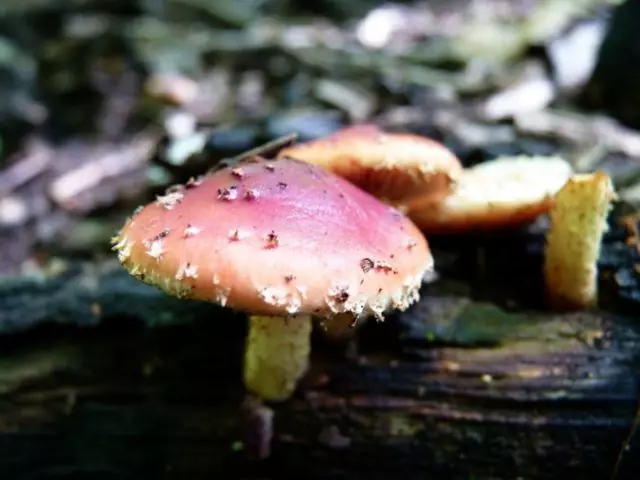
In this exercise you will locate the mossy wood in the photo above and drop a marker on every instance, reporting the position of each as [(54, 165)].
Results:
[(454, 388)]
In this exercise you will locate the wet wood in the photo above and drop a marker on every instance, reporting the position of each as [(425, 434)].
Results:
[(455, 388)]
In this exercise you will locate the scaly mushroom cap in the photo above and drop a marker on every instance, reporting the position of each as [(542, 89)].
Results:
[(276, 238), (394, 167), (502, 193)]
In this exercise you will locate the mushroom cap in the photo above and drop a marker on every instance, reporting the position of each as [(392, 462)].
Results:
[(502, 193), (278, 238), (394, 167)]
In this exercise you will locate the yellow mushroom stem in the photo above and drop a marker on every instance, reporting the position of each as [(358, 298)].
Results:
[(276, 355)]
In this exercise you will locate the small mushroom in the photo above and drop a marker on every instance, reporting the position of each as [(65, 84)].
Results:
[(301, 254), (393, 167), (502, 193)]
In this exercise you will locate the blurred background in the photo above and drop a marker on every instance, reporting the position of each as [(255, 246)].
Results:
[(105, 103)]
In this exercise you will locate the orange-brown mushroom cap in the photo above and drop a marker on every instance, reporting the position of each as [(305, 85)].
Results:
[(394, 167), (278, 238), (506, 192)]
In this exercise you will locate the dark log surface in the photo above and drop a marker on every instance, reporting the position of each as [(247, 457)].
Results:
[(458, 387)]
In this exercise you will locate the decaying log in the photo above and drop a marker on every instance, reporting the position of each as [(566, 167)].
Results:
[(454, 388), (84, 293)]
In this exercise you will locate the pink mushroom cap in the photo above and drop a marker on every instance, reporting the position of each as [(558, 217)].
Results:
[(279, 237)]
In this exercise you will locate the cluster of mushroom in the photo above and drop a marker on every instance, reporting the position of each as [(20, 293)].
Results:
[(428, 183), (332, 228)]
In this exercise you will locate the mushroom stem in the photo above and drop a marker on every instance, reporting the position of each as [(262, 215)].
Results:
[(276, 355)]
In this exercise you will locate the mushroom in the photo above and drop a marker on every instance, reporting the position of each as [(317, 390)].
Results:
[(505, 192), (282, 241), (394, 167)]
